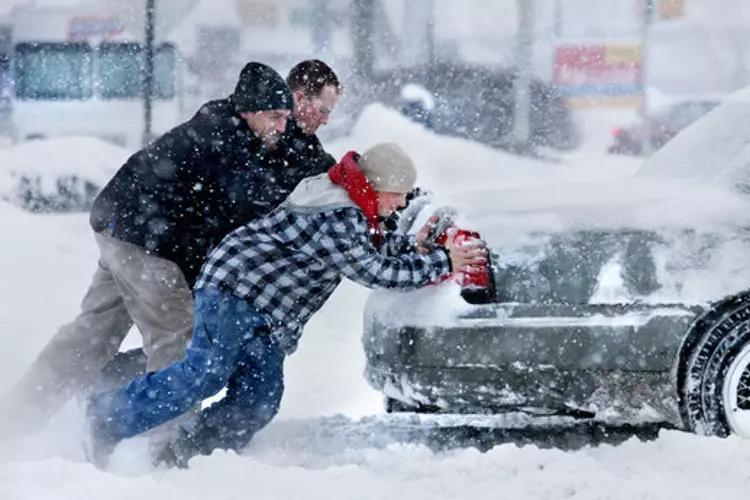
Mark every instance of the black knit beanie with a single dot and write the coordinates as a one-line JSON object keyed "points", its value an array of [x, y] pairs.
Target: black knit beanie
{"points": [[261, 88]]}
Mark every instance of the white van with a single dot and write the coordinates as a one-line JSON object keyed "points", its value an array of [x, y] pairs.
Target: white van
{"points": [[75, 73]]}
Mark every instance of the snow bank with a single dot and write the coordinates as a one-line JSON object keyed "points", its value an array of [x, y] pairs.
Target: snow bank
{"points": [[61, 174], [453, 165]]}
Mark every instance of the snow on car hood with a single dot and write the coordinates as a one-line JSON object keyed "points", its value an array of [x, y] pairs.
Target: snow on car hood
{"points": [[624, 203]]}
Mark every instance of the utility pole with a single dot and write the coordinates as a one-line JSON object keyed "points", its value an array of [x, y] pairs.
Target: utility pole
{"points": [[321, 26], [148, 77], [521, 133], [558, 18], [648, 9], [418, 35], [363, 31]]}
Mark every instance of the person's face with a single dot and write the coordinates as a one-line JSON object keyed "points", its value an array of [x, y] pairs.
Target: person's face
{"points": [[268, 125], [388, 203], [312, 112]]}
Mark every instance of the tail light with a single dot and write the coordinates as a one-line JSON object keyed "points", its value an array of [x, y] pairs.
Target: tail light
{"points": [[467, 279], [476, 286]]}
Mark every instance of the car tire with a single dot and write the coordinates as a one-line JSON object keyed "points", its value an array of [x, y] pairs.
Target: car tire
{"points": [[393, 405], [714, 376]]}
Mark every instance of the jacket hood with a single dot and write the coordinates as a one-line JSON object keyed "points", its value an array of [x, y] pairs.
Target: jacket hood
{"points": [[317, 194]]}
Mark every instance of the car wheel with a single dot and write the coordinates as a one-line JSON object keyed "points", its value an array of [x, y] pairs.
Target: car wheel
{"points": [[736, 392], [715, 382], [395, 406]]}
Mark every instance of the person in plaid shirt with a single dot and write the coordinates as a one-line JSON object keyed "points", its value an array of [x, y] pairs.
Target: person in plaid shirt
{"points": [[256, 292]]}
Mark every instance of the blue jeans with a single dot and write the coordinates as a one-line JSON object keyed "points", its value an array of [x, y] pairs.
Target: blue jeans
{"points": [[229, 349]]}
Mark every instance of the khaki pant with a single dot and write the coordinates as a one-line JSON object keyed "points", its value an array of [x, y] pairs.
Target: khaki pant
{"points": [[129, 287]]}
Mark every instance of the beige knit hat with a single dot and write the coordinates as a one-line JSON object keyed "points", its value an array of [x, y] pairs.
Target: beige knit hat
{"points": [[388, 168]]}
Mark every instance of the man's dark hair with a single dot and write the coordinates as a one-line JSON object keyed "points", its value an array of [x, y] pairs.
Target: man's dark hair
{"points": [[310, 76]]}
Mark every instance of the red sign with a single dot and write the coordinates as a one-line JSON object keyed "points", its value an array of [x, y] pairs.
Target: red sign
{"points": [[602, 69]]}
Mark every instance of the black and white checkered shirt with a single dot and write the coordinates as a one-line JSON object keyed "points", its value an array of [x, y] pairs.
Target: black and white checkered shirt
{"points": [[289, 262]]}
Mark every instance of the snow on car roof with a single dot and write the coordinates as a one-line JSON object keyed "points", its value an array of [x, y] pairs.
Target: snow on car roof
{"points": [[713, 150]]}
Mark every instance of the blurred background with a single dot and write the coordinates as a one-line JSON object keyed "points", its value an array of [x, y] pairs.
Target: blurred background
{"points": [[530, 76]]}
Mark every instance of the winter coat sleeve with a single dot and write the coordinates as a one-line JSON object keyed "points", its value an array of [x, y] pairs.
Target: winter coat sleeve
{"points": [[398, 243], [343, 243]]}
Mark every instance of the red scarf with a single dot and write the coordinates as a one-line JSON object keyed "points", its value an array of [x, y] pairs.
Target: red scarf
{"points": [[347, 174]]}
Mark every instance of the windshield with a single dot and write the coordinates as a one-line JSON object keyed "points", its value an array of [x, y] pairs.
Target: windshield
{"points": [[53, 71], [121, 69]]}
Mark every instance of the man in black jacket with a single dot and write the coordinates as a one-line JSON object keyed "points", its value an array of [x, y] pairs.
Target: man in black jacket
{"points": [[315, 90], [156, 221]]}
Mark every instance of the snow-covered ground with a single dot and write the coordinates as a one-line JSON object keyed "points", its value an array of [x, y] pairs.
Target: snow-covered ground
{"points": [[319, 446]]}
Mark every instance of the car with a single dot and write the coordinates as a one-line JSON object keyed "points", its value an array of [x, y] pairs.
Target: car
{"points": [[620, 301], [665, 124]]}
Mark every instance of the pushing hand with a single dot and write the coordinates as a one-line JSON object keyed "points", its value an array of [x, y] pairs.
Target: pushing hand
{"points": [[467, 256]]}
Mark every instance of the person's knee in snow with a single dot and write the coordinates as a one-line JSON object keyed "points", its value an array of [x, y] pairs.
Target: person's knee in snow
{"points": [[229, 424]]}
